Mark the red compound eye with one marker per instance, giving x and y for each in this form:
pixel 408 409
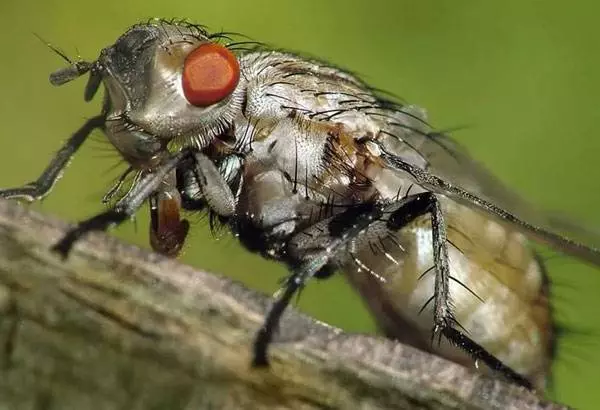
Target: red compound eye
pixel 210 74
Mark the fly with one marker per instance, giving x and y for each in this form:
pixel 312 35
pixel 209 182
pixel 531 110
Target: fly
pixel 308 165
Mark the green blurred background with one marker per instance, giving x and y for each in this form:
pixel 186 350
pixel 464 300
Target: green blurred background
pixel 522 76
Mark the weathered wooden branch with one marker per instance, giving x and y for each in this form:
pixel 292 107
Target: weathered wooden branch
pixel 115 327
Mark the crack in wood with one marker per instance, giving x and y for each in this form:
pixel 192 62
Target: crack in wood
pixel 112 316
pixel 10 314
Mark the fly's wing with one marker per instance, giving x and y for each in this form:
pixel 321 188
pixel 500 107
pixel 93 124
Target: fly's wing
pixel 445 168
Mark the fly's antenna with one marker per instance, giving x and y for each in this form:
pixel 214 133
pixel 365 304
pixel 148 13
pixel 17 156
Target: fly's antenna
pixel 75 70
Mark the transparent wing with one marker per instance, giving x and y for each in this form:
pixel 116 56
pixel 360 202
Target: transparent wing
pixel 444 167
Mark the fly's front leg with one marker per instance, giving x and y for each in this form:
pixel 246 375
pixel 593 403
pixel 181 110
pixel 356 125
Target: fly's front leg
pixel 444 321
pixel 126 206
pixel 205 185
pixel 38 189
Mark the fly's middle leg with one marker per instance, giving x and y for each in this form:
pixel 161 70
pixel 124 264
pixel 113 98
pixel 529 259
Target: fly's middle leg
pixel 347 226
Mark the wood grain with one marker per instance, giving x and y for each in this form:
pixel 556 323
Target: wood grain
pixel 116 327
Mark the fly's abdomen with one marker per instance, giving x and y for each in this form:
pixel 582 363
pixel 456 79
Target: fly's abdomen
pixel 497 288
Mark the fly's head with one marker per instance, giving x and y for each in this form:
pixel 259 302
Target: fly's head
pixel 164 81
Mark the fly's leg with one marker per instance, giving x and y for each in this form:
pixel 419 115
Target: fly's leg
pixel 38 189
pixel 206 186
pixel 422 204
pixel 116 188
pixel 293 283
pixel 213 186
pixel 478 353
pixel 167 230
pixel 444 322
pixel 353 221
pixel 125 207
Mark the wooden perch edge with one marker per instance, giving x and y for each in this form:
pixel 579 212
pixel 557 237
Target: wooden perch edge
pixel 116 327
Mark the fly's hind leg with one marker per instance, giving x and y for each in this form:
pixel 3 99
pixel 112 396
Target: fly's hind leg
pixel 445 323
pixel 39 188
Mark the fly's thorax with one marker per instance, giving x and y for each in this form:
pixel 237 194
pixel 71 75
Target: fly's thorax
pixel 162 85
pixel 327 161
pixel 300 172
pixel 295 105
pixel 293 146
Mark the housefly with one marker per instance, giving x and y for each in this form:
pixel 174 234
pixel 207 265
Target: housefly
pixel 310 166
